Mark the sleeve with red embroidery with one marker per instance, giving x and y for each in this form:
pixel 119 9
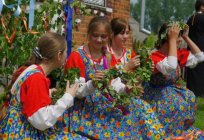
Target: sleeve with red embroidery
pixel 156 57
pixel 186 58
pixel 183 55
pixel 75 61
pixel 34 96
pixel 164 64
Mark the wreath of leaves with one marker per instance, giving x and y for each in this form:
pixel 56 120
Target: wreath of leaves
pixel 183 26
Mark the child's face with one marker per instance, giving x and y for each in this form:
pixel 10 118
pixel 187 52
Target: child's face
pixel 99 37
pixel 121 38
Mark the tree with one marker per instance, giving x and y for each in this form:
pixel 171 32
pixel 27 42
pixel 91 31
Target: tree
pixel 159 11
pixel 17 40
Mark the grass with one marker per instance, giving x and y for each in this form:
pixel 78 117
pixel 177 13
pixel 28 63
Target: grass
pixel 199 123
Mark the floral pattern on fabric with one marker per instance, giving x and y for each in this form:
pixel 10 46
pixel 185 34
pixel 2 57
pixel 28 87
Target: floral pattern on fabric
pixel 16 126
pixel 96 118
pixel 126 58
pixel 174 105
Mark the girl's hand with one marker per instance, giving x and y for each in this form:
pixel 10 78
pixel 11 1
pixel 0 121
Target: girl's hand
pixel 52 91
pixel 185 32
pixel 134 62
pixel 173 32
pixel 140 88
pixel 72 89
pixel 98 76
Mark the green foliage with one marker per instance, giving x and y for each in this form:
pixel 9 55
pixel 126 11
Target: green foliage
pixel 123 98
pixel 144 50
pixel 16 52
pixel 17 47
pixel 80 7
pixel 17 41
pixel 199 123
pixel 131 79
pixel 159 11
pixel 70 75
pixel 2 98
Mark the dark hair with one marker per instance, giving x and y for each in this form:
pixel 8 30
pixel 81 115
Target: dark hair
pixel 161 40
pixel 48 46
pixel 164 31
pixel 118 25
pixel 198 5
pixel 99 20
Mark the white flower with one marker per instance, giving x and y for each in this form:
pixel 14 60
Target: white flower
pixel 95 12
pixel 78 20
pixel 102 14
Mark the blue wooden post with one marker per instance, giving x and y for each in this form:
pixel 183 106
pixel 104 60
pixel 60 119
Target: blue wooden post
pixel 69 12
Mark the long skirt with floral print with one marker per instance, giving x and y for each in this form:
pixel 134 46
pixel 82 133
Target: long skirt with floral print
pixel 96 118
pixel 174 105
pixel 16 126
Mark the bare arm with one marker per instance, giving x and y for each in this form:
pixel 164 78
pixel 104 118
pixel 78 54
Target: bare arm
pixel 172 38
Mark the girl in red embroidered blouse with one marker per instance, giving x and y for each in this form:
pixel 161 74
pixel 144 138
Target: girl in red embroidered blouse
pixel 30 113
pixel 93 53
pixel 174 104
pixel 168 55
pixel 94 116
pixel 120 54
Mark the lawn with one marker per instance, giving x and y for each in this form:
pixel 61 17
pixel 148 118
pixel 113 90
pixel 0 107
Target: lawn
pixel 199 123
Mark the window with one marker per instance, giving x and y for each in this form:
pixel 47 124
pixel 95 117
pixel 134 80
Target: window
pixel 142 20
pixel 96 3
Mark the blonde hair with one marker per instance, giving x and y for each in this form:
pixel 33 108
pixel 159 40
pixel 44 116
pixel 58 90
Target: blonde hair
pixel 47 48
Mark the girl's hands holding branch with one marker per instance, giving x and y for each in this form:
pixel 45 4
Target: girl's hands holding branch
pixel 98 76
pixel 72 89
pixel 52 91
pixel 134 62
